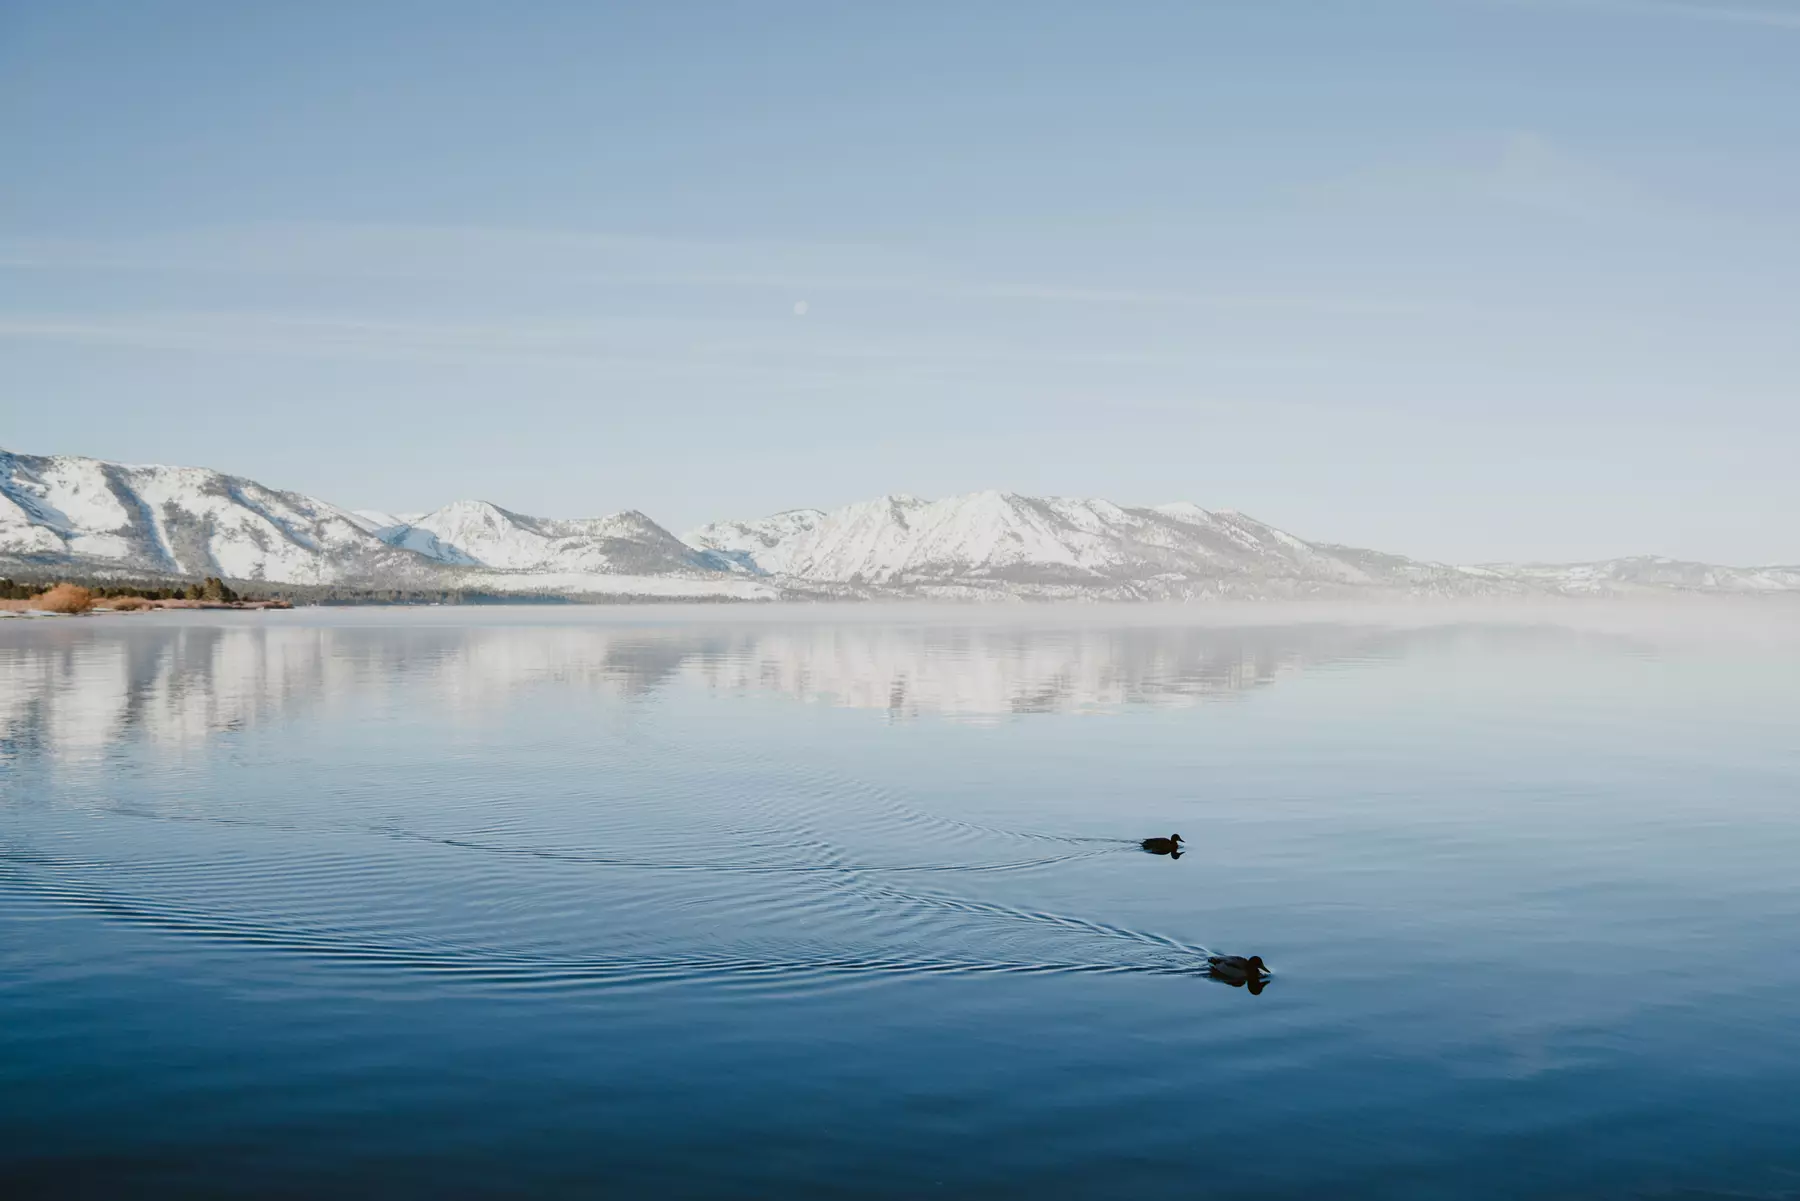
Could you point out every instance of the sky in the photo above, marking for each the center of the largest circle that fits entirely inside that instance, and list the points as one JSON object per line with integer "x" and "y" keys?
{"x": 1469, "y": 280}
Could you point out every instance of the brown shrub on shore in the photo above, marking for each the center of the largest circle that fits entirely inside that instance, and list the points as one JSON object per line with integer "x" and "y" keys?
{"x": 129, "y": 604}
{"x": 64, "y": 598}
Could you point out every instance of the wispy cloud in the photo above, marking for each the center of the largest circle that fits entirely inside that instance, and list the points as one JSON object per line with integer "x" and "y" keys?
{"x": 717, "y": 350}
{"x": 1530, "y": 171}
{"x": 1520, "y": 170}
{"x": 450, "y": 253}
{"x": 1767, "y": 16}
{"x": 605, "y": 307}
{"x": 600, "y": 348}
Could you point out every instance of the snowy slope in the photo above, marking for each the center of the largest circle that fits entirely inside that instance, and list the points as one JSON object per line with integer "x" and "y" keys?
{"x": 755, "y": 546}
{"x": 484, "y": 534}
{"x": 1050, "y": 546}
{"x": 101, "y": 517}
{"x": 1644, "y": 573}
{"x": 183, "y": 521}
{"x": 113, "y": 518}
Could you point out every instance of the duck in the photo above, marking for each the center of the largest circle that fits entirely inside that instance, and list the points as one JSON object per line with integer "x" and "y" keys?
{"x": 1163, "y": 846}
{"x": 1236, "y": 968}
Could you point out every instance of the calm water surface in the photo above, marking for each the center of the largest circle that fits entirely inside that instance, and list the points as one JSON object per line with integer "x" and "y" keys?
{"x": 561, "y": 902}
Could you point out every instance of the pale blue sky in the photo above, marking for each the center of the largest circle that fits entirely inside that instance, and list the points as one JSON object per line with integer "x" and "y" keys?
{"x": 1465, "y": 279}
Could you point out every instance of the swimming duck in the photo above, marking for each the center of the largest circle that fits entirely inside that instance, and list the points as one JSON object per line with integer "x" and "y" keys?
{"x": 1236, "y": 968}
{"x": 1163, "y": 846}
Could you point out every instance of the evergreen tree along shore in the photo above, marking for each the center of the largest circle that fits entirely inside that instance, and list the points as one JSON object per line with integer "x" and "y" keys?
{"x": 212, "y": 591}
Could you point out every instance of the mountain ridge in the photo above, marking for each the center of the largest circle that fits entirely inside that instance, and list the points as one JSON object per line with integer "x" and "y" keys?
{"x": 81, "y": 514}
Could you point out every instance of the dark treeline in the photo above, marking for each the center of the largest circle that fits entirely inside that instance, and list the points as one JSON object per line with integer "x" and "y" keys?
{"x": 212, "y": 588}
{"x": 322, "y": 594}
{"x": 29, "y": 580}
{"x": 337, "y": 594}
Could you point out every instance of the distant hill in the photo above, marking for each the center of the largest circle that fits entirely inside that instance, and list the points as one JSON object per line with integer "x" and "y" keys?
{"x": 88, "y": 516}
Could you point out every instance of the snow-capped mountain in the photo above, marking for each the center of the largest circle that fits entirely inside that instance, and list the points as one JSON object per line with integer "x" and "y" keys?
{"x": 474, "y": 532}
{"x": 185, "y": 521}
{"x": 103, "y": 518}
{"x": 1644, "y": 573}
{"x": 398, "y": 530}
{"x": 63, "y": 513}
{"x": 759, "y": 547}
{"x": 1049, "y": 546}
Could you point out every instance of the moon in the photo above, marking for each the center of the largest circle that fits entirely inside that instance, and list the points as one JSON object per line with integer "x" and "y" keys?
{"x": 800, "y": 308}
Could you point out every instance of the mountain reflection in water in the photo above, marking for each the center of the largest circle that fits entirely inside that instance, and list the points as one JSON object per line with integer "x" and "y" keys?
{"x": 172, "y": 679}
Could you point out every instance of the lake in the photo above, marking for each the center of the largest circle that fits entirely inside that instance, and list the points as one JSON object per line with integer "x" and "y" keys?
{"x": 817, "y": 902}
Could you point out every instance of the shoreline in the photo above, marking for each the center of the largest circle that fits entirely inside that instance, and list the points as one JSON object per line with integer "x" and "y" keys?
{"x": 23, "y": 608}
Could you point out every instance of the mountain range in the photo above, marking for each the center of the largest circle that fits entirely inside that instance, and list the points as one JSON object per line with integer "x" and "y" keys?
{"x": 73, "y": 515}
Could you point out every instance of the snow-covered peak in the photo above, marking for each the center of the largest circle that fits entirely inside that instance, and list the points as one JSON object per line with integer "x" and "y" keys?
{"x": 996, "y": 537}
{"x": 1188, "y": 511}
{"x": 97, "y": 516}
{"x": 177, "y": 520}
{"x": 476, "y": 531}
{"x": 481, "y": 533}
{"x": 190, "y": 521}
{"x": 753, "y": 546}
{"x": 1642, "y": 573}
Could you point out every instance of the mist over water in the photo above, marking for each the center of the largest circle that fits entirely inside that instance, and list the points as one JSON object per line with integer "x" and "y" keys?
{"x": 822, "y": 902}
